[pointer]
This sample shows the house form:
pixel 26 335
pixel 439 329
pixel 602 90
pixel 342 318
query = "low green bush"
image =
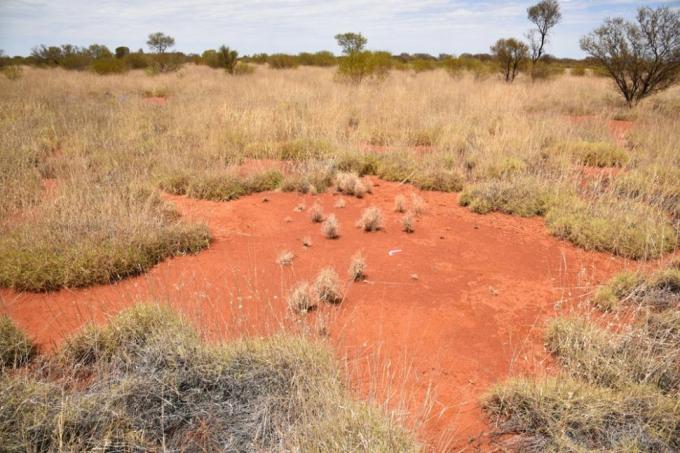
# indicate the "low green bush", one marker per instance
pixel 106 66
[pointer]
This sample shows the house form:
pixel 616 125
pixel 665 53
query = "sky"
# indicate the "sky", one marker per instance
pixel 292 26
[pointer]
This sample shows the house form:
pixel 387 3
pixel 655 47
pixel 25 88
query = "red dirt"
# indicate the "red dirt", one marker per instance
pixel 155 100
pixel 461 307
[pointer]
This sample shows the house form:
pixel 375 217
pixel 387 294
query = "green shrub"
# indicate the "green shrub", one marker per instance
pixel 16 349
pixel 423 65
pixel 136 61
pixel 625 228
pixel 523 196
pixel 282 61
pixel 108 66
pixel 543 71
pixel 361 65
pixel 146 382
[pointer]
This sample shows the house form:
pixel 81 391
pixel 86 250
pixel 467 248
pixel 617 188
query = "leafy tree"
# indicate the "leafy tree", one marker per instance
pixel 209 58
pixel 228 59
pixel 545 15
pixel 160 42
pixel 643 58
pixel 351 42
pixel 510 53
pixel 44 55
pixel 99 51
pixel 122 52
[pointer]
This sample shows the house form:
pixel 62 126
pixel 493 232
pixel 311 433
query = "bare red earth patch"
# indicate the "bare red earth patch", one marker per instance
pixel 445 312
pixel 155 100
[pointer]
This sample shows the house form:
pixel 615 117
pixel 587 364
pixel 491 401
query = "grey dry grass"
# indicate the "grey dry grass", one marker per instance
pixel 330 228
pixel 147 382
pixel 618 391
pixel 327 286
pixel 371 219
pixel 357 267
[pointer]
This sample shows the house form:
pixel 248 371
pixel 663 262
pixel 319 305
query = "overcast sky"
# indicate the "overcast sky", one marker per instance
pixel 291 26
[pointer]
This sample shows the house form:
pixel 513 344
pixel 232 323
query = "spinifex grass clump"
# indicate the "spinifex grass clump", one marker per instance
pixel 623 227
pixel 95 237
pixel 147 382
pixel 525 196
pixel 16 349
pixel 598 154
pixel 659 290
pixel 221 186
pixel 619 388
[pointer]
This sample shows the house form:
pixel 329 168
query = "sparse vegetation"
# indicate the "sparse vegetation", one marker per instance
pixel 285 258
pixel 400 203
pixel 147 382
pixel 327 286
pixel 330 228
pixel 316 213
pixel 300 299
pixel 371 219
pixel 407 223
pixel 357 267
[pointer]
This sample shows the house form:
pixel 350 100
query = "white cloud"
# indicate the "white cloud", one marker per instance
pixel 432 26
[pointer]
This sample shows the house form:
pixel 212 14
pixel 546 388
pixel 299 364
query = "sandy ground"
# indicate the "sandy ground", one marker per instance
pixel 444 313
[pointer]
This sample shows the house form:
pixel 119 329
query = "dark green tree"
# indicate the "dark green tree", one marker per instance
pixel 228 59
pixel 122 52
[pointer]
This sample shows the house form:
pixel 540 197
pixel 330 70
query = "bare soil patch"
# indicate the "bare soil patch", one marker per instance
pixel 446 311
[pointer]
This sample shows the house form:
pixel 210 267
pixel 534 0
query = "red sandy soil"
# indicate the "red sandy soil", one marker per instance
pixel 155 100
pixel 459 308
